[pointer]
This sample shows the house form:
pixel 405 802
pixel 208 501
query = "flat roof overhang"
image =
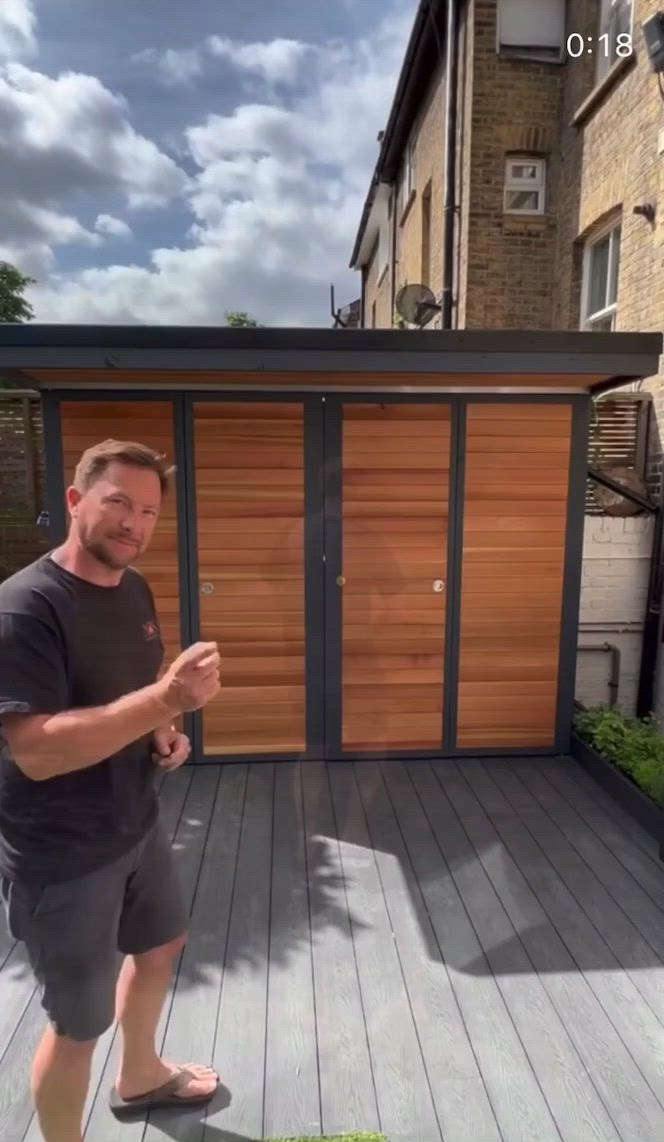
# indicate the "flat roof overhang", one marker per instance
pixel 137 356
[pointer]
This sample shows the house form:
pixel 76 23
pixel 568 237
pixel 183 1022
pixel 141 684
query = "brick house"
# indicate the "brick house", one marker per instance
pixel 556 153
pixel 526 140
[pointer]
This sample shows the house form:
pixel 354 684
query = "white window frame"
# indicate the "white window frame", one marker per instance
pixel 610 309
pixel 513 41
pixel 383 247
pixel 512 184
pixel 410 168
pixel 611 22
pixel 407 175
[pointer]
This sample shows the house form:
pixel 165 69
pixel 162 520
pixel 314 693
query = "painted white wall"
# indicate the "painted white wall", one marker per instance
pixel 616 566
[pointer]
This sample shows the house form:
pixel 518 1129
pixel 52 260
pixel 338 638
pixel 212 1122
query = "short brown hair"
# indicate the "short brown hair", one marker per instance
pixel 96 459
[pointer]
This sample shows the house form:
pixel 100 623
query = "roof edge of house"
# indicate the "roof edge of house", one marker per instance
pixel 424 41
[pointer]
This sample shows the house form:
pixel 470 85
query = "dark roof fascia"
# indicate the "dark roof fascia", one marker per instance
pixel 623 356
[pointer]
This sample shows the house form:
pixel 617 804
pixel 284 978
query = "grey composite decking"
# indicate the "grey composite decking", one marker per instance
pixel 470 951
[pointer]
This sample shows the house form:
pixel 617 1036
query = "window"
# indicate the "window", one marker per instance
pixel 383 247
pixel 407 175
pixel 524 185
pixel 531 29
pixel 615 19
pixel 600 282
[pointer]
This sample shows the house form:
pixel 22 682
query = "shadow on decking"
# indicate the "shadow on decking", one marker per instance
pixel 275 855
pixel 493 889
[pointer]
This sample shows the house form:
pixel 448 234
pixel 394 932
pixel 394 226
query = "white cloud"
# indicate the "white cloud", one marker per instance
pixel 277 61
pixel 174 66
pixel 65 135
pixel 112 227
pixel 76 130
pixel 60 229
pixel 18 25
pixel 33 233
pixel 255 128
pixel 275 201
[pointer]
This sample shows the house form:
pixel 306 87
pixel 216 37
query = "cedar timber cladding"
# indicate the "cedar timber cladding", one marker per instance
pixel 381 529
pixel 249 480
pixel 392 380
pixel 395 497
pixel 87 422
pixel 513 557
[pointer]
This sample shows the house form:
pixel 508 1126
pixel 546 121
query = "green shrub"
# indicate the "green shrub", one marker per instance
pixel 634 745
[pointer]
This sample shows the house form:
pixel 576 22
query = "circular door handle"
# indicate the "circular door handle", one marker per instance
pixel 438 586
pixel 341 580
pixel 207 588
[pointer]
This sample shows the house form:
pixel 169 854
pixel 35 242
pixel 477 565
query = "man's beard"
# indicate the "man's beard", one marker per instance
pixel 104 555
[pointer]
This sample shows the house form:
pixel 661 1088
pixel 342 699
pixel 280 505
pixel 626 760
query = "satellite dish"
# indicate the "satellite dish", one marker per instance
pixel 416 304
pixel 613 503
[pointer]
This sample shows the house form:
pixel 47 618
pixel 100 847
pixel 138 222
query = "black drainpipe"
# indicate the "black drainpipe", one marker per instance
pixel 449 207
pixel 394 259
pixel 363 297
pixel 645 701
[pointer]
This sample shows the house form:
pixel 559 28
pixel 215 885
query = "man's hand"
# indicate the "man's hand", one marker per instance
pixel 192 680
pixel 48 745
pixel 171 748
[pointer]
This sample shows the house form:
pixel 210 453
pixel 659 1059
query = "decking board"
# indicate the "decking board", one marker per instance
pixel 402 1084
pixel 459 951
pixel 457 1088
pixel 615 1035
pixel 347 1085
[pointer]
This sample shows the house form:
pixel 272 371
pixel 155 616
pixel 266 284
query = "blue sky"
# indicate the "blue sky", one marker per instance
pixel 164 169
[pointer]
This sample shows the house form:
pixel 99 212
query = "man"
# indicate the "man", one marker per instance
pixel 85 719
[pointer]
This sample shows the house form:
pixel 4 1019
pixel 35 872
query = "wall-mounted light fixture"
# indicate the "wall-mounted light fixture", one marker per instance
pixel 647 210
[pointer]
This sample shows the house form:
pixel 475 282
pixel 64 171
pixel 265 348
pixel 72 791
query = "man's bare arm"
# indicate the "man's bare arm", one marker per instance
pixel 45 746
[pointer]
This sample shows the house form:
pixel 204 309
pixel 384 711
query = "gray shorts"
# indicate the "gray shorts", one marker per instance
pixel 75 931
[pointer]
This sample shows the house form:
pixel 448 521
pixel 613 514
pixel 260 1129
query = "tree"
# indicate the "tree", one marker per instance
pixel 241 320
pixel 13 306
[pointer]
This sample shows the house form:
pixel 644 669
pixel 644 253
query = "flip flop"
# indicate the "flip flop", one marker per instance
pixel 162 1096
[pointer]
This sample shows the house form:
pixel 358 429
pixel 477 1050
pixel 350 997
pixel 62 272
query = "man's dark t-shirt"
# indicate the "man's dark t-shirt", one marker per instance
pixel 66 643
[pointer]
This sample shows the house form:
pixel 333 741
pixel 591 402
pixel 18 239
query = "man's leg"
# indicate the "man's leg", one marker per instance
pixel 152 934
pixel 142 989
pixel 59 1084
pixel 71 940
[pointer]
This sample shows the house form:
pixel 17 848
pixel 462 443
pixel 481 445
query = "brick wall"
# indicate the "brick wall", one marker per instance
pixel 526 273
pixel 428 132
pixel 610 163
pixel 428 135
pixel 609 156
pixel 616 565
pixel 377 292
pixel 464 157
pixel 509 261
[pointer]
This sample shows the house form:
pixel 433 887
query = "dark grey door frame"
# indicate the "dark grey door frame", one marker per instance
pixel 322 439
pixel 334 567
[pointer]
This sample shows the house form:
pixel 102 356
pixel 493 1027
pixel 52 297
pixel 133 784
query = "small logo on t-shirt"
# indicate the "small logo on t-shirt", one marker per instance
pixel 150 630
